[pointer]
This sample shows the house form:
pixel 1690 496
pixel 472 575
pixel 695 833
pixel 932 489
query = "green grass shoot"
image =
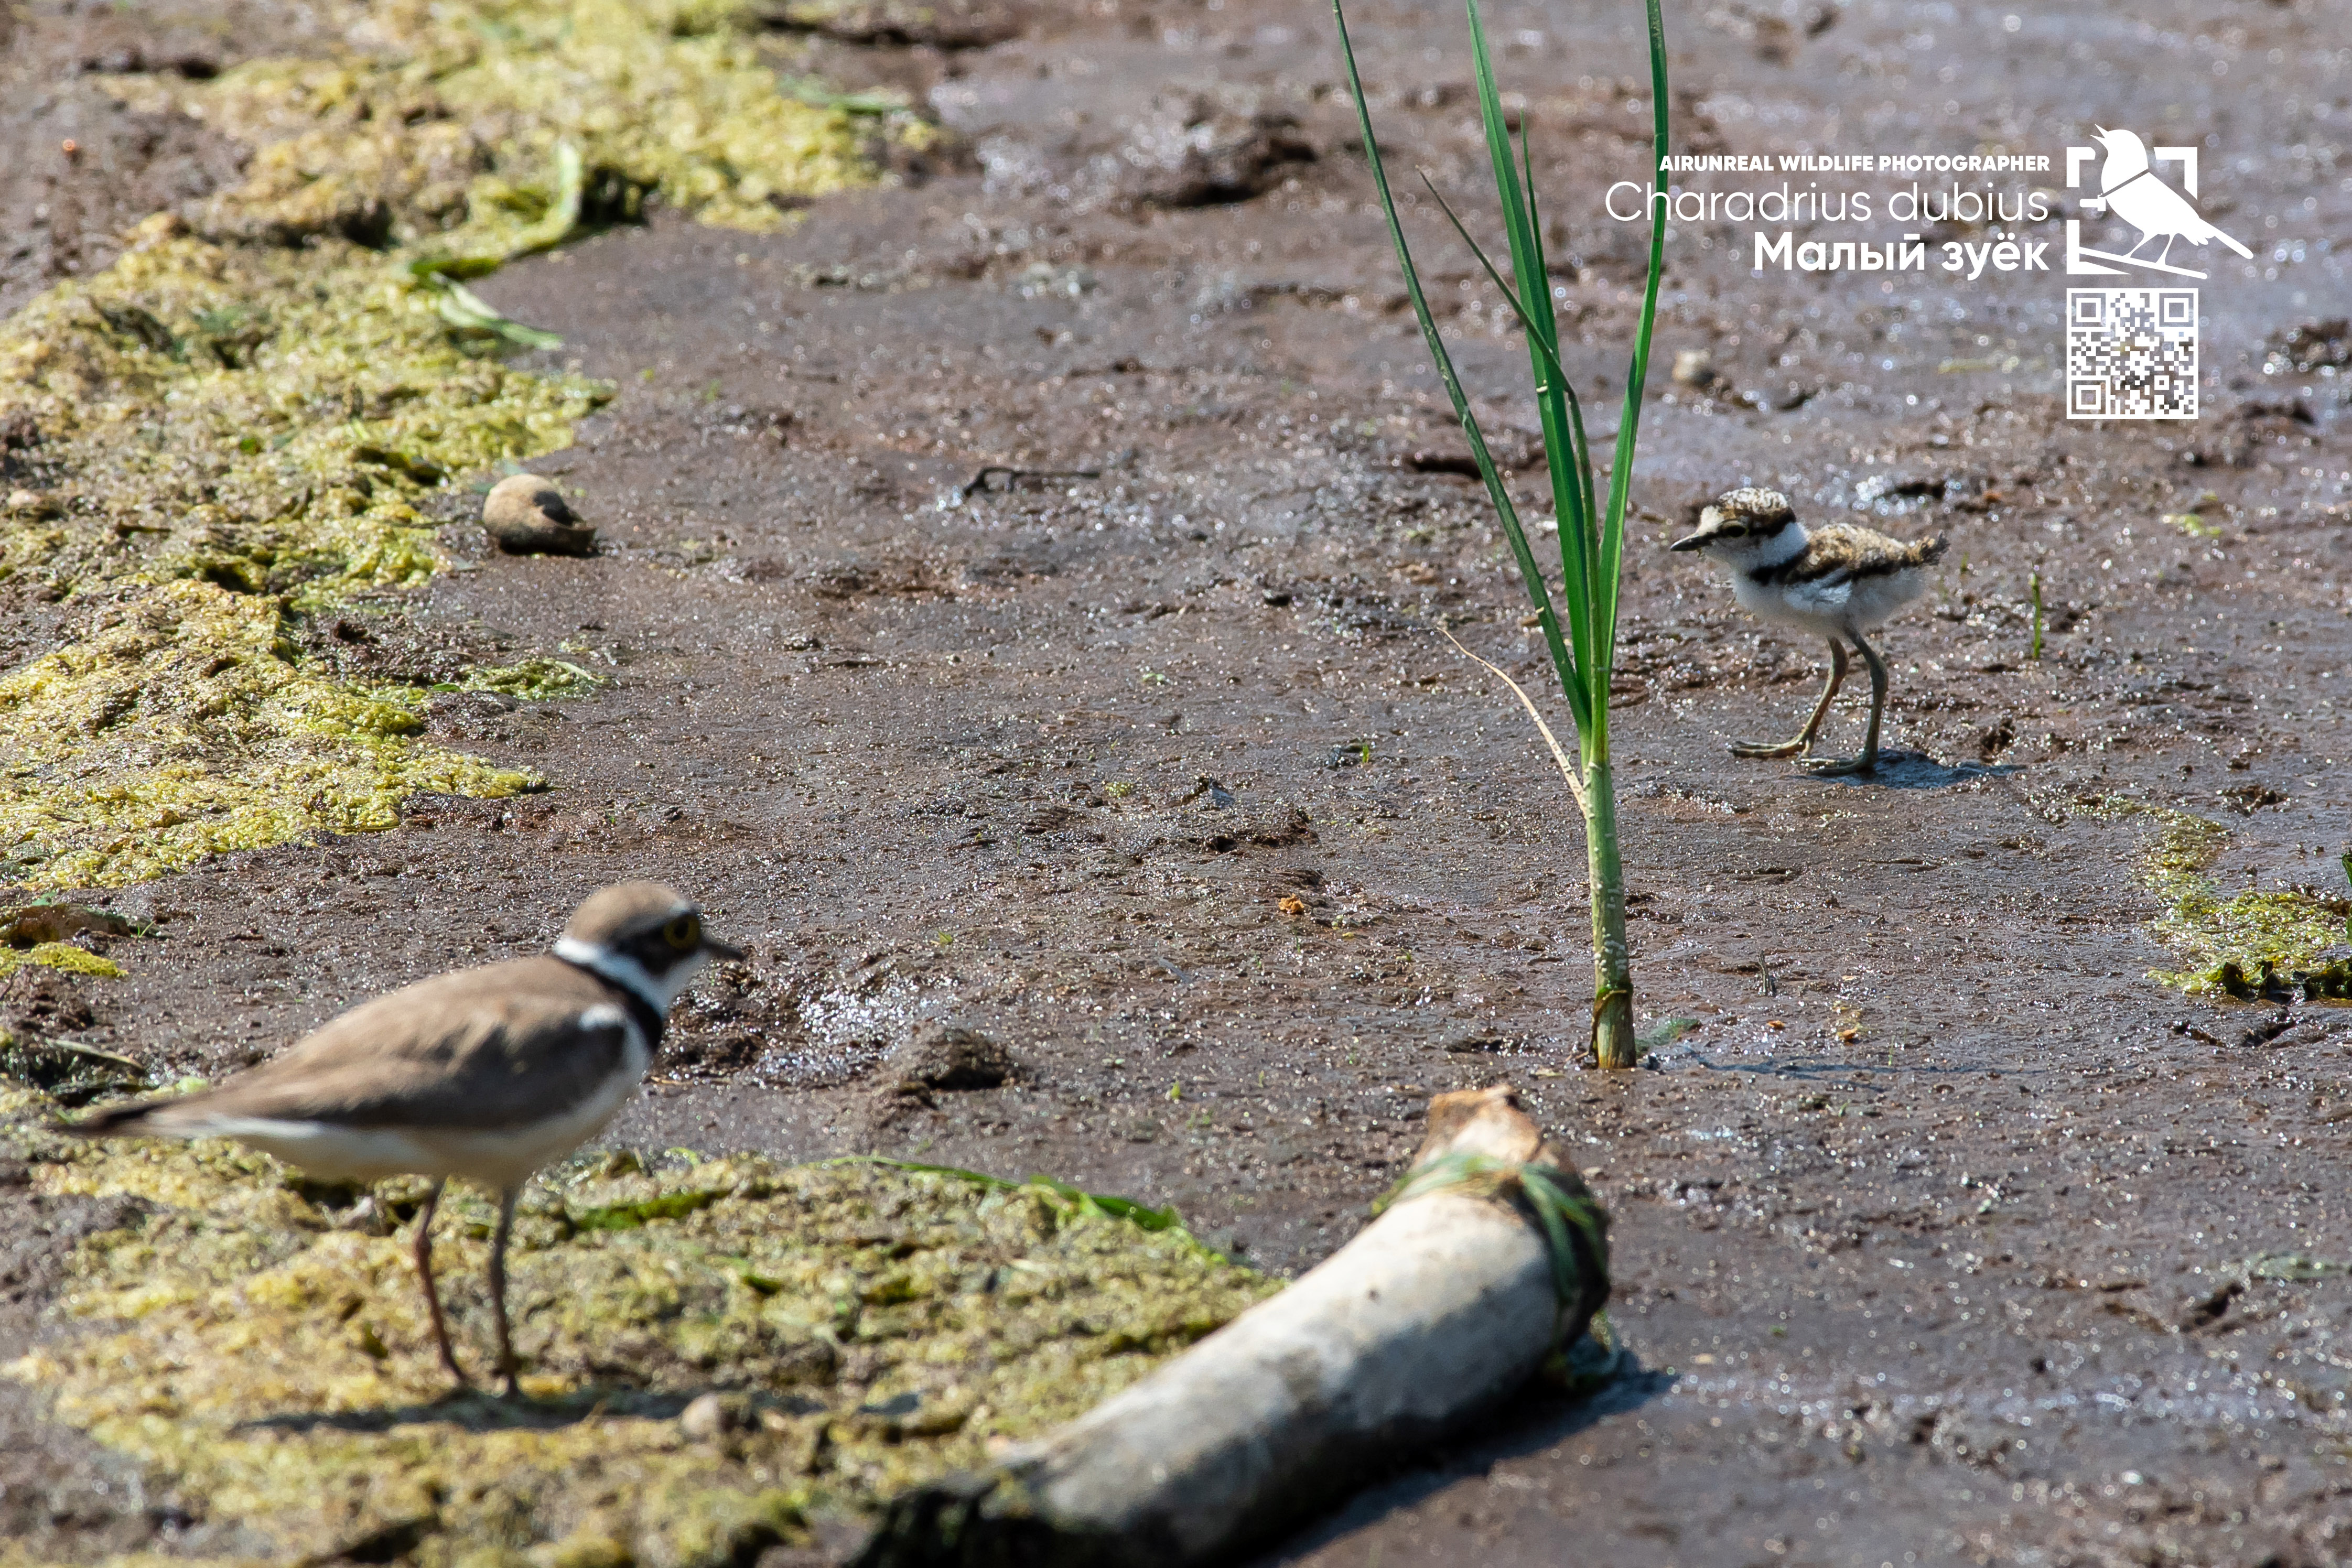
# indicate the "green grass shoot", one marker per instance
pixel 2034 583
pixel 1592 523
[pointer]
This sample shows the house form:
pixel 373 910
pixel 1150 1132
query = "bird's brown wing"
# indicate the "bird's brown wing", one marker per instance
pixel 1858 552
pixel 479 1048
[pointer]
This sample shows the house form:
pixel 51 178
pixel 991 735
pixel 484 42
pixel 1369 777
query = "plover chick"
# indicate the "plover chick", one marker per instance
pixel 488 1073
pixel 1838 580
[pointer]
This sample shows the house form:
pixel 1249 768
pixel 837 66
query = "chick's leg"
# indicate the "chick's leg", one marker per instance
pixel 1868 760
pixel 1804 741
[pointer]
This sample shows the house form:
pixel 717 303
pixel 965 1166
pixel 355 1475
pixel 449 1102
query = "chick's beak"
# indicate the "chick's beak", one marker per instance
pixel 724 952
pixel 1695 541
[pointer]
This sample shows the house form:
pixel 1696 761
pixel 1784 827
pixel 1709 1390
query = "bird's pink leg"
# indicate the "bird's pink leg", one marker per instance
pixel 433 1297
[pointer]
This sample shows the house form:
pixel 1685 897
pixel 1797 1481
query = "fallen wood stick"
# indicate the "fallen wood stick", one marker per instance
pixel 1491 1258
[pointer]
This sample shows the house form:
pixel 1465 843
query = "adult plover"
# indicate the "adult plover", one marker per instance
pixel 1837 580
pixel 488 1073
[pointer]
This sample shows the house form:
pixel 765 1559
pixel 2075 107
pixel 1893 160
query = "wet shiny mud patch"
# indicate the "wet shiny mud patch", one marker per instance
pixel 858 1330
pixel 2293 942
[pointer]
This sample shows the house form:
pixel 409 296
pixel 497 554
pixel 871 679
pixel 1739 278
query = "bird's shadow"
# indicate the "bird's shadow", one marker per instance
pixel 1916 770
pixel 478 1410
pixel 1541 1422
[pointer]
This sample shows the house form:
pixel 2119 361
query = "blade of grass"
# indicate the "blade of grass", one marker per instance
pixel 1547 617
pixel 1551 327
pixel 462 308
pixel 1592 539
pixel 562 210
pixel 1578 560
pixel 1527 322
pixel 1620 468
pixel 1549 350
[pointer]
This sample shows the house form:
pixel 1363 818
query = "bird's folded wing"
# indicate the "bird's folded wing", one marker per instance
pixel 482 1049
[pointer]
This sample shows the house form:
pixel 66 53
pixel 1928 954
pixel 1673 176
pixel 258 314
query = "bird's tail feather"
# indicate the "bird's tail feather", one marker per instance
pixel 1926 552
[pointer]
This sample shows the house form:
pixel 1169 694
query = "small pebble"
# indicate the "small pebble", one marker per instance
pixel 1694 367
pixel 32 503
pixel 713 1416
pixel 527 515
pixel 949 1056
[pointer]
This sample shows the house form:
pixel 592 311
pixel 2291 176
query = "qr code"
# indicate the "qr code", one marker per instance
pixel 2131 353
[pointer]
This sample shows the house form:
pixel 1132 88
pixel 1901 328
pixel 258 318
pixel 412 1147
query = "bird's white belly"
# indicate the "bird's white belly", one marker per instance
pixel 1846 604
pixel 498 1157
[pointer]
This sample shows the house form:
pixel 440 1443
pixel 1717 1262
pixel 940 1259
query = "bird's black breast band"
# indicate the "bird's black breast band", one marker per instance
pixel 650 1022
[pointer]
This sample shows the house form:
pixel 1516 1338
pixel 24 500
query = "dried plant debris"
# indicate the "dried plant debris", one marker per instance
pixel 862 1328
pixel 2291 942
pixel 230 431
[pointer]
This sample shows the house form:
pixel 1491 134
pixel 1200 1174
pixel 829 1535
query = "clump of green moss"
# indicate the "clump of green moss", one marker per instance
pixel 534 680
pixel 248 433
pixel 265 417
pixel 444 124
pixel 185 728
pixel 62 956
pixel 2249 943
pixel 261 419
pixel 865 1328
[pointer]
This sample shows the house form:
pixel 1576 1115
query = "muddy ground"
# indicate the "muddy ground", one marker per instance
pixel 1931 1238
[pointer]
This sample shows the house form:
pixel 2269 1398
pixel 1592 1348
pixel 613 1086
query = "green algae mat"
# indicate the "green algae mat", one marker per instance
pixel 862 1329
pixel 2272 943
pixel 235 427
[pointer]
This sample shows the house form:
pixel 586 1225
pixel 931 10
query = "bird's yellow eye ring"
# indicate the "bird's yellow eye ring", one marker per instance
pixel 683 933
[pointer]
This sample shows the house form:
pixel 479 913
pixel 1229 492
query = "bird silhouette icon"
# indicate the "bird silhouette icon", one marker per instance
pixel 2133 192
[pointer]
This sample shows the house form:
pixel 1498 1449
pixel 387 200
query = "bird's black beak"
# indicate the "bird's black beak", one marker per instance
pixel 1695 541
pixel 723 952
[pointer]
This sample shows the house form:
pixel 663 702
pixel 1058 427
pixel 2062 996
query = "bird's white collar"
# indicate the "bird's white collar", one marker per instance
pixel 625 972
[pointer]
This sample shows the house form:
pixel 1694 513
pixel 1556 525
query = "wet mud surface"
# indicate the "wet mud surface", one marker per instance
pixel 1945 1235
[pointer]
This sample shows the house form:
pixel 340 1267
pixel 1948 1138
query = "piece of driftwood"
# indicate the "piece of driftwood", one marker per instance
pixel 1443 1306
